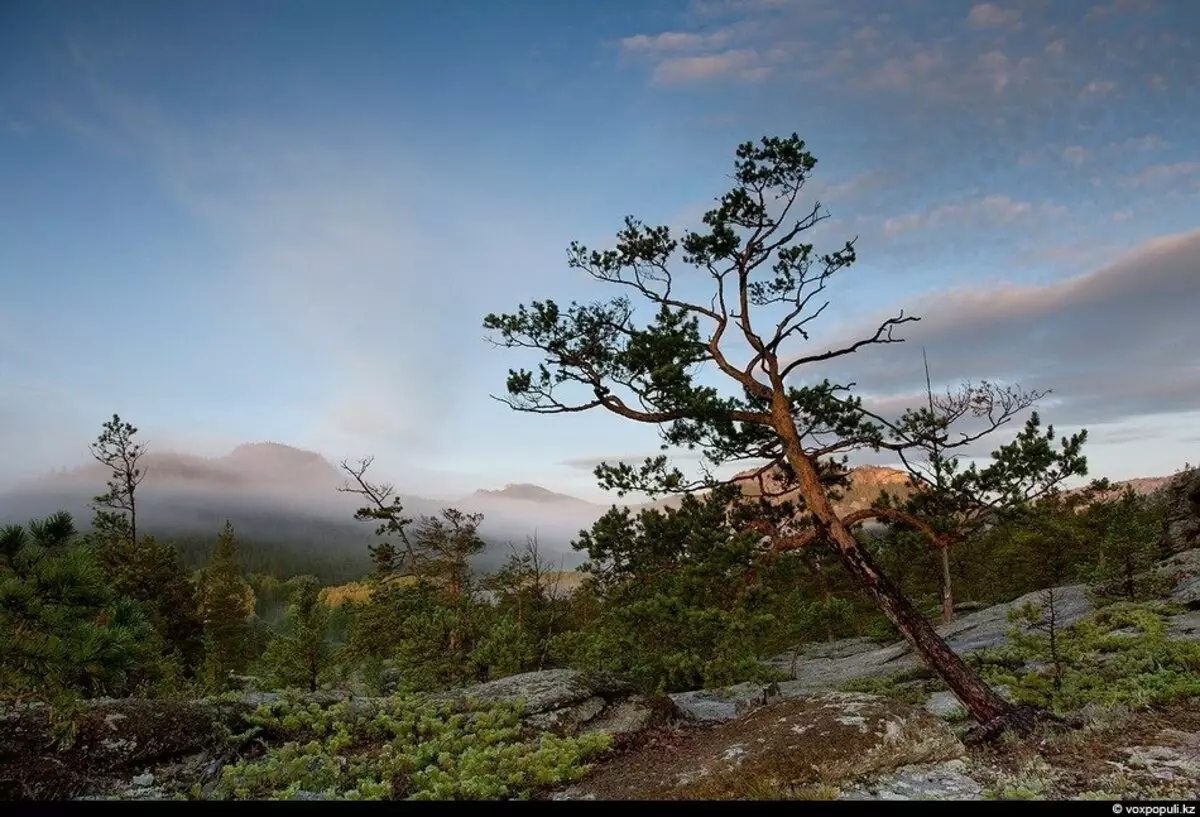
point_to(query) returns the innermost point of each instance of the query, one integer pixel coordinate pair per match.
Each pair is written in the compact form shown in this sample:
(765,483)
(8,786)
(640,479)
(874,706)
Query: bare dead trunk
(947,589)
(981,701)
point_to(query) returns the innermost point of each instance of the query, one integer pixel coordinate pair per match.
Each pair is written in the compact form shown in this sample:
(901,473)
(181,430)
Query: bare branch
(882,335)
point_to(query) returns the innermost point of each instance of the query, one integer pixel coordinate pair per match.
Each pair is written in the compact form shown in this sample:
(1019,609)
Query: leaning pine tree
(765,283)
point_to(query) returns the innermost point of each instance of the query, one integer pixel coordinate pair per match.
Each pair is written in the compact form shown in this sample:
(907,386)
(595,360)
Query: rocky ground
(801,739)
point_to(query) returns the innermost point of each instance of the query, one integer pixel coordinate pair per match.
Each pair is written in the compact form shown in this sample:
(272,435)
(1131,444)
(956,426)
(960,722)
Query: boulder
(1181,501)
(725,704)
(1185,626)
(42,757)
(784,746)
(570,702)
(1182,571)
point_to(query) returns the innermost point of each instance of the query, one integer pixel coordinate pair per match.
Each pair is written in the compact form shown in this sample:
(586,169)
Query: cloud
(1119,7)
(672,41)
(1141,144)
(1025,56)
(1160,175)
(1075,155)
(1098,87)
(1115,344)
(989,15)
(589,462)
(741,64)
(993,210)
(1120,434)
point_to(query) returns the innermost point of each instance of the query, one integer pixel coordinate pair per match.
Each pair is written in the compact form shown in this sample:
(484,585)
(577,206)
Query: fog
(278,494)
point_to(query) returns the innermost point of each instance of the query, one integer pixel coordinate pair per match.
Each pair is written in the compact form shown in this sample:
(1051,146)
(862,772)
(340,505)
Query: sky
(284,221)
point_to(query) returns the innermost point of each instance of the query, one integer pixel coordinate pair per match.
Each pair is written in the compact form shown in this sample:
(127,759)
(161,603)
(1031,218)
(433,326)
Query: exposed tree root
(1020,720)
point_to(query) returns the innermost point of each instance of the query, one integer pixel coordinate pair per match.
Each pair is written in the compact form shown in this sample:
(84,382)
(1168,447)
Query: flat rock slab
(1173,758)
(818,740)
(829,666)
(941,781)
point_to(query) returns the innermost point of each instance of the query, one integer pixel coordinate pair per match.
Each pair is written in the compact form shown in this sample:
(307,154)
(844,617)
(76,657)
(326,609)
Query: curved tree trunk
(983,704)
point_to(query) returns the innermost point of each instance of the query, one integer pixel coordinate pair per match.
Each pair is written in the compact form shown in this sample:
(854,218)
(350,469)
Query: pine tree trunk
(980,700)
(947,589)
(983,704)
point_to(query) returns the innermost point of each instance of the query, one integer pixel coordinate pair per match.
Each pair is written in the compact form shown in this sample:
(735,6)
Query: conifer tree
(142,569)
(62,628)
(115,448)
(1128,545)
(298,655)
(662,367)
(225,610)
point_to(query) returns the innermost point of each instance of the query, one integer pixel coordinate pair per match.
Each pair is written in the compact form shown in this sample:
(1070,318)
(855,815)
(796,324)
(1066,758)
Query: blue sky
(240,221)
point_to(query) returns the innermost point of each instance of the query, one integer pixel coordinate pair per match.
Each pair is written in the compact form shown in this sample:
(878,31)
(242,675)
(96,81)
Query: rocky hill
(867,482)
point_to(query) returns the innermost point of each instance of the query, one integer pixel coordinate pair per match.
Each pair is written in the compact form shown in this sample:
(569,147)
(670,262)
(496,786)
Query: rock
(143,781)
(112,739)
(947,706)
(728,703)
(1182,571)
(633,715)
(1181,501)
(1184,627)
(725,704)
(389,680)
(1187,592)
(942,781)
(1174,757)
(828,666)
(944,705)
(820,739)
(308,795)
(571,702)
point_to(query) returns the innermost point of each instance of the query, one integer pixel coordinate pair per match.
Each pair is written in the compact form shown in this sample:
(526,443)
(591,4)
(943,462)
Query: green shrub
(1118,655)
(407,748)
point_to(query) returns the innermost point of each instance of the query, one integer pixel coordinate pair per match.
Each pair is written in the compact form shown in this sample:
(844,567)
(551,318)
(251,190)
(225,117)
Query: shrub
(407,748)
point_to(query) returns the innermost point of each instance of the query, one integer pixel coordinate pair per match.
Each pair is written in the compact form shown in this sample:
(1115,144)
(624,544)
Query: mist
(287,497)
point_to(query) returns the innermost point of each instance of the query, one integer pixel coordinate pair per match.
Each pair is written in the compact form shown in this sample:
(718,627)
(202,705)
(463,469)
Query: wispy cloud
(990,15)
(741,64)
(337,246)
(1074,155)
(1161,175)
(988,211)
(1098,87)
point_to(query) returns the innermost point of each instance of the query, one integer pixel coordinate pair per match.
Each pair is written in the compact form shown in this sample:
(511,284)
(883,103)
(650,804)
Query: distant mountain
(287,497)
(524,492)
(259,466)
